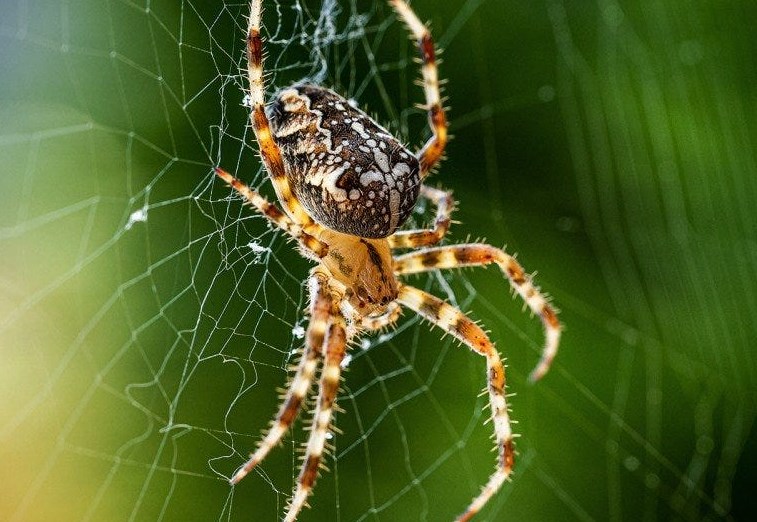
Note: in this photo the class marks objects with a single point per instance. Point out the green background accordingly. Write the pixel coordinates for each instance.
(610, 144)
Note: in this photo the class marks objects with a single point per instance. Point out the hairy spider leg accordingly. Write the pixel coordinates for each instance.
(454, 256)
(336, 347)
(320, 310)
(456, 323)
(275, 215)
(445, 204)
(433, 150)
(269, 149)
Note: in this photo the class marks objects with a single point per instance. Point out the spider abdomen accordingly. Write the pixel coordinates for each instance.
(348, 172)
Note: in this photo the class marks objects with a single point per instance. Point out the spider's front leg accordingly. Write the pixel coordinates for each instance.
(445, 204)
(455, 256)
(335, 346)
(454, 322)
(320, 310)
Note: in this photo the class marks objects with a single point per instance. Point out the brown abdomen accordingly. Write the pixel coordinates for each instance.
(348, 172)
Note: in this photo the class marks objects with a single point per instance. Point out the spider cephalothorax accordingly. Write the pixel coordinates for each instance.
(349, 173)
(364, 267)
(346, 186)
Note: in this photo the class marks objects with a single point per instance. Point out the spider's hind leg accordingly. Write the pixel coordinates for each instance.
(433, 150)
(445, 204)
(269, 149)
(275, 215)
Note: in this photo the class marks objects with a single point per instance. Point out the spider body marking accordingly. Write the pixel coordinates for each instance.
(364, 268)
(348, 172)
(346, 186)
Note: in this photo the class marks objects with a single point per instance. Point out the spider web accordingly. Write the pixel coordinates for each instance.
(147, 317)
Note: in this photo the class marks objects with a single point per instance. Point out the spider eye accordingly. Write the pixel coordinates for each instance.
(363, 296)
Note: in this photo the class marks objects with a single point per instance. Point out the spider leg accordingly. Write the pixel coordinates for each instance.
(416, 238)
(269, 150)
(455, 322)
(275, 215)
(336, 343)
(455, 256)
(432, 151)
(320, 309)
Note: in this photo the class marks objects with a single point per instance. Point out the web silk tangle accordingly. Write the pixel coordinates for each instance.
(346, 186)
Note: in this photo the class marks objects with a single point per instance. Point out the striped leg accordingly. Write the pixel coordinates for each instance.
(432, 151)
(455, 256)
(336, 346)
(269, 150)
(274, 215)
(320, 308)
(416, 238)
(454, 322)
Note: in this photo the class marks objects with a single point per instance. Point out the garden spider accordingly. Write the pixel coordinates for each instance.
(346, 186)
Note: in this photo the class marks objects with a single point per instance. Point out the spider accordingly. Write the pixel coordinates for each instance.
(346, 186)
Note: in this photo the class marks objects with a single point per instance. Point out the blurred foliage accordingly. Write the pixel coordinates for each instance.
(610, 144)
